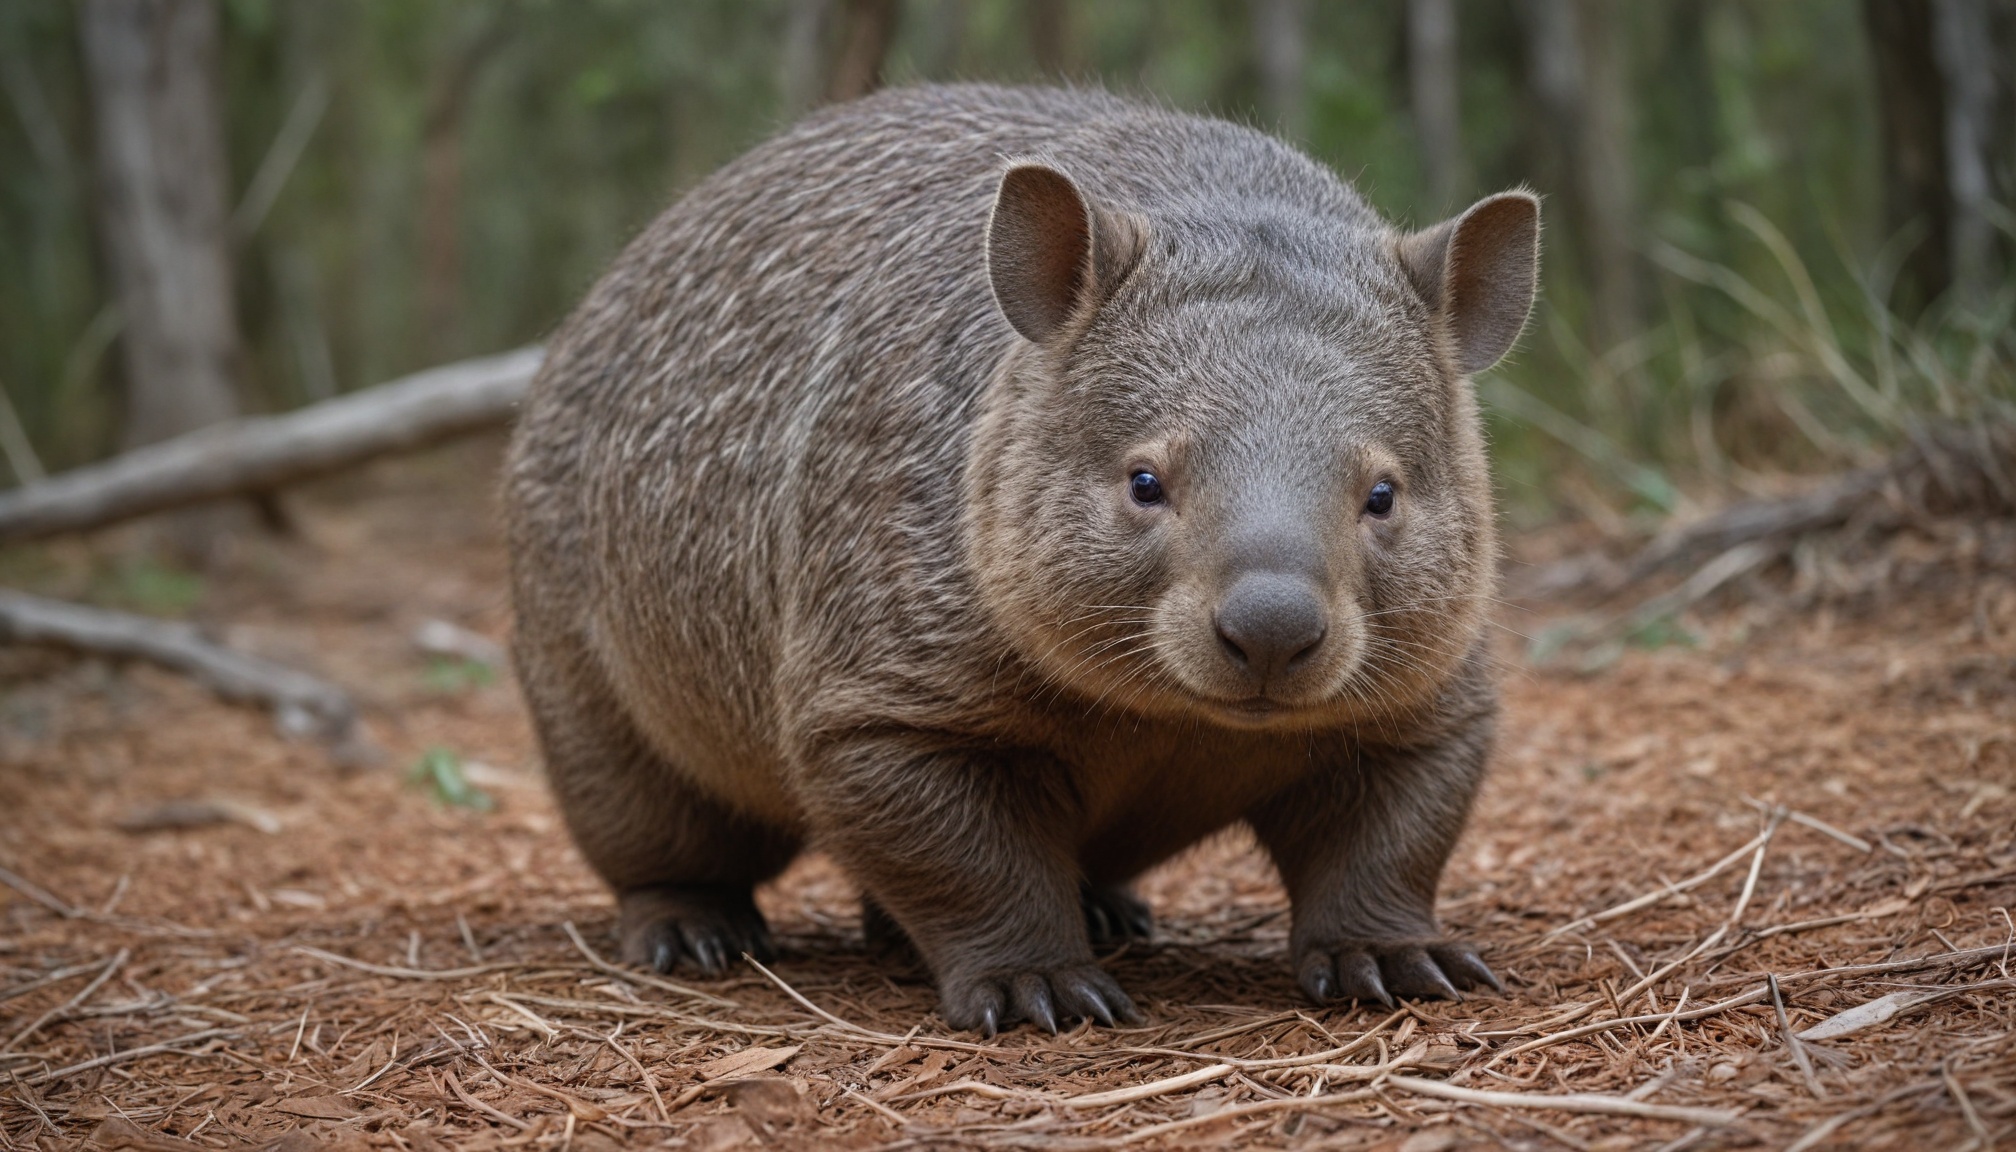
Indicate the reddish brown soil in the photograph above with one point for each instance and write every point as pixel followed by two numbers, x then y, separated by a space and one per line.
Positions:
pixel 1885 710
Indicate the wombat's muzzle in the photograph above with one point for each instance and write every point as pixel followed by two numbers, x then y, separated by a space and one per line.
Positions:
pixel 1270 624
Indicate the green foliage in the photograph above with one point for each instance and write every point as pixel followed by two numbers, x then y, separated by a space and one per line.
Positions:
pixel 544 133
pixel 450 675
pixel 148 585
pixel 439 773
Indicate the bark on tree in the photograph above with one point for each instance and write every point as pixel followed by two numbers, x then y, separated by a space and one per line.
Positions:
pixel 867 32
pixel 945 38
pixel 1911 111
pixel 441 186
pixel 1575 65
pixel 162 174
pixel 1975 42
pixel 1280 38
pixel 1049 36
pixel 1434 81
pixel 802 64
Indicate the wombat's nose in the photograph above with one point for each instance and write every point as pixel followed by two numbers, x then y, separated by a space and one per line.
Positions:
pixel 1270 622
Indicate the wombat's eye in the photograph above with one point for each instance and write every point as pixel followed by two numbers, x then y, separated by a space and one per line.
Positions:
pixel 1145 488
pixel 1380 501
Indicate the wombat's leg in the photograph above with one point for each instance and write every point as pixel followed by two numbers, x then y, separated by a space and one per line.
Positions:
pixel 1361 848
pixel 1113 916
pixel 684 866
pixel 879 930
pixel 969 851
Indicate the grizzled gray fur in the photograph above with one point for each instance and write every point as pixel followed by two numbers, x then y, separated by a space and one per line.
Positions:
pixel 1002 489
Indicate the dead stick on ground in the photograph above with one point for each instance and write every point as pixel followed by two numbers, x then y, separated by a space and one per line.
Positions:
pixel 889 1114
pixel 404 973
pixel 1960 1097
pixel 635 977
pixel 58 1012
pixel 261 453
pixel 1651 898
pixel 1587 1103
pixel 868 1033
pixel 1793 1042
pixel 302 703
pixel 1735 917
pixel 1962 958
pixel 1207 1074
pixel 1623 999
pixel 1241 1111
pixel 650 1081
pixel 111 1058
pixel 38 894
pixel 462 1094
pixel 56 977
pixel 1247 1065
pixel 1827 1127
pixel 1753 996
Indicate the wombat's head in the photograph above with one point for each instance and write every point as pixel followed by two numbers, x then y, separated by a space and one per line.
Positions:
pixel 1236 471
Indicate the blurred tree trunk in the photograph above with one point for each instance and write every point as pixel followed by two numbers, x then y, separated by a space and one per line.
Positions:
pixel 162 176
pixel 1050 36
pixel 441 186
pixel 1280 40
pixel 803 64
pixel 1976 43
pixel 868 30
pixel 945 39
pixel 1435 82
pixel 1575 64
pixel 1911 108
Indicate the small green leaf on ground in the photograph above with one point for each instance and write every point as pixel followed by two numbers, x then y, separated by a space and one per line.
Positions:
pixel 147 585
pixel 1660 632
pixel 440 772
pixel 451 674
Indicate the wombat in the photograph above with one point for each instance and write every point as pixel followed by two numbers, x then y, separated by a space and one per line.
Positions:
pixel 1001 490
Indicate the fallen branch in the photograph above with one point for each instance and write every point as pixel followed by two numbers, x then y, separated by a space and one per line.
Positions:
pixel 1951 468
pixel 1947 469
pixel 261 453
pixel 112 1058
pixel 1585 1103
pixel 302 703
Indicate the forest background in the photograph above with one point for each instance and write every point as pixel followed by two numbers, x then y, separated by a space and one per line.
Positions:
pixel 1777 238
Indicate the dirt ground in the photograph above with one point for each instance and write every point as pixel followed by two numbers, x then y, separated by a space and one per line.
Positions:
pixel 212 936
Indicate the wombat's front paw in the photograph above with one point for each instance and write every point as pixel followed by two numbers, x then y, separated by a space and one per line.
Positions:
pixel 1041 996
pixel 1366 971
pixel 1114 916
pixel 704 925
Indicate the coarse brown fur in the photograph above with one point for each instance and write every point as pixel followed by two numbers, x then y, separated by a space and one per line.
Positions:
pixel 826 529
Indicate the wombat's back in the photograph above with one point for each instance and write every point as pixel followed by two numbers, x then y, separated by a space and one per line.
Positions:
pixel 760 414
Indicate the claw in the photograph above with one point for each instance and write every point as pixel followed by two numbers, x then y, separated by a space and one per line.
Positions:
pixel 1083 991
pixel 664 954
pixel 1032 999
pixel 990 1021
pixel 1100 1008
pixel 706 951
pixel 1358 979
pixel 1124 1009
pixel 1318 980
pixel 1409 972
pixel 1464 967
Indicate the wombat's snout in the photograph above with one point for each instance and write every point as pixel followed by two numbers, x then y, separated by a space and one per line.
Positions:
pixel 1269 624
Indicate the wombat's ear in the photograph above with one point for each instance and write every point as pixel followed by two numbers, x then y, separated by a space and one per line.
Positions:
pixel 1478 273
pixel 1051 253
